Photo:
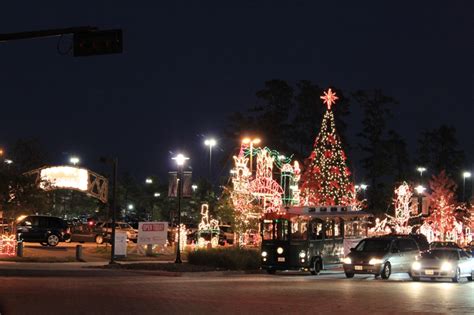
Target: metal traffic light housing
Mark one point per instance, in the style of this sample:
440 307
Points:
89 43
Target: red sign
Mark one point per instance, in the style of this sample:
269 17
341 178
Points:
151 227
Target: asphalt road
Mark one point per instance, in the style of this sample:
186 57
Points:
124 292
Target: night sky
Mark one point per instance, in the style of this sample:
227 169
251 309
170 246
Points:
187 65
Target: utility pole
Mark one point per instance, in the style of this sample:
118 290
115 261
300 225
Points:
114 209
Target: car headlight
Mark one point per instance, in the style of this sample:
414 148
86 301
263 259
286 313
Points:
264 254
416 265
280 250
302 254
375 261
347 261
446 266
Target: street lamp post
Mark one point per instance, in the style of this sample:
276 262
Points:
420 189
363 187
74 160
210 143
420 170
251 142
464 176
180 160
114 210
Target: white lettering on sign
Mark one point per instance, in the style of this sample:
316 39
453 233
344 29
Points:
153 227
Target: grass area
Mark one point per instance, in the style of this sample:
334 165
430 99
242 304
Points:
226 258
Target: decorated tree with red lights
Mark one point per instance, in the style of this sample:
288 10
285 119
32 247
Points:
443 203
326 180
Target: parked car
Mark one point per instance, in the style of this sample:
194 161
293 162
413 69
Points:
434 245
86 232
470 248
382 256
448 263
46 230
106 231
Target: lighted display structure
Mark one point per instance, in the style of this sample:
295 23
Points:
74 178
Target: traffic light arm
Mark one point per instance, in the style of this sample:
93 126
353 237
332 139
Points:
46 33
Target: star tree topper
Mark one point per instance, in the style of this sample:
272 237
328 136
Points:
329 98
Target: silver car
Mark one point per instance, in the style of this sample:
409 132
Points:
444 263
381 256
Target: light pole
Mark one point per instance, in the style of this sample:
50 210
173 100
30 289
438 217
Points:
180 160
420 189
250 143
420 170
210 143
464 176
114 162
74 160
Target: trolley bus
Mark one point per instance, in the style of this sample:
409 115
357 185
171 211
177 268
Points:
307 238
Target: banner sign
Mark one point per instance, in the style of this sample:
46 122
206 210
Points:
152 233
120 243
173 184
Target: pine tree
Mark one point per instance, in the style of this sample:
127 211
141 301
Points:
327 179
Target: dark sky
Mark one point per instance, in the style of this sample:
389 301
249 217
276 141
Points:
187 65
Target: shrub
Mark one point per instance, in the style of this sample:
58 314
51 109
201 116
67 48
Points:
226 258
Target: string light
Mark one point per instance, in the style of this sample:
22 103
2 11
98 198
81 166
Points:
207 225
327 179
8 245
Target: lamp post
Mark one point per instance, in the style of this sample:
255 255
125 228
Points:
250 143
74 160
210 143
420 189
464 176
420 170
114 162
362 187
180 160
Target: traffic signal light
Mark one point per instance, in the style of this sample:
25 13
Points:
91 43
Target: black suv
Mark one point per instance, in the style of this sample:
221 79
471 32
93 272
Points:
48 231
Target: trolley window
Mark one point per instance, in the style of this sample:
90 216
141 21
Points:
299 229
275 230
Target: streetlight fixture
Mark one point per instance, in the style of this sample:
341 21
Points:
157 194
180 159
74 160
130 207
210 143
420 189
251 143
149 181
194 187
7 161
420 170
464 176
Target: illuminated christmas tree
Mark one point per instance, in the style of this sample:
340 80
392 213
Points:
326 180
443 203
405 210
